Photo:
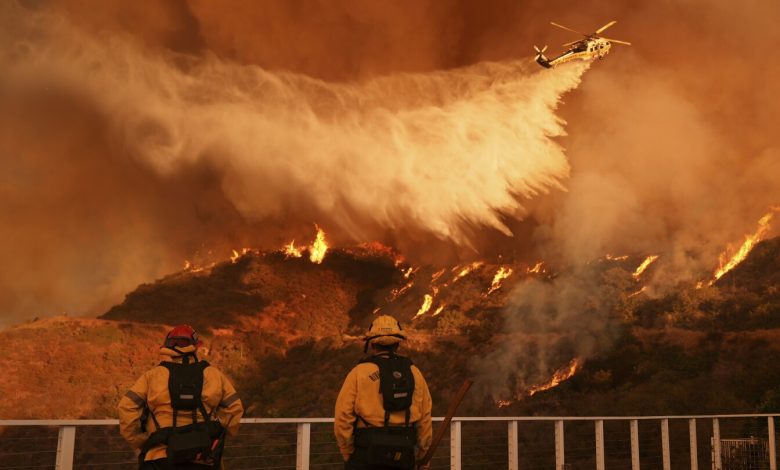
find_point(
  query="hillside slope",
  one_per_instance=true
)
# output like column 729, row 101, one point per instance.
column 278, row 325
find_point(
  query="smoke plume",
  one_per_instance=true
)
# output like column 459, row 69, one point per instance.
column 430, row 152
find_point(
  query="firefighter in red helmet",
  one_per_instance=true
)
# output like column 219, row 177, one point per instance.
column 178, row 413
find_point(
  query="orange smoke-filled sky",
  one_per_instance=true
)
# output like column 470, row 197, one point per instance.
column 671, row 142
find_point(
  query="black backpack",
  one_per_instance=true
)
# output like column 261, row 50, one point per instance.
column 391, row 446
column 202, row 440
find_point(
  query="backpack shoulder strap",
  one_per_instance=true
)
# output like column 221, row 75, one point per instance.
column 185, row 385
column 396, row 382
column 206, row 416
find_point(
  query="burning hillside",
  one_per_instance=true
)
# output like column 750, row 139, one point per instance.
column 272, row 321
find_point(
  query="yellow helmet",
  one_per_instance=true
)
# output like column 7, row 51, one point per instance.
column 384, row 330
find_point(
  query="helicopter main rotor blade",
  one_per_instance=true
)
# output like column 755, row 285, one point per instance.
column 617, row 41
column 603, row 28
column 567, row 28
column 571, row 43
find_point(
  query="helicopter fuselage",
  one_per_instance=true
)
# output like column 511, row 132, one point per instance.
column 586, row 49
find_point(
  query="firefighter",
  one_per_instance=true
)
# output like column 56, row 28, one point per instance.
column 383, row 411
column 178, row 413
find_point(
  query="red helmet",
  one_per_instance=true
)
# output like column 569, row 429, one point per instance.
column 181, row 337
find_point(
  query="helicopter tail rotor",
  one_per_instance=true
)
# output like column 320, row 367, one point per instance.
column 540, row 53
column 540, row 58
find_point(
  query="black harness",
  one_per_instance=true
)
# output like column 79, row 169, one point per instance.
column 391, row 446
column 201, row 440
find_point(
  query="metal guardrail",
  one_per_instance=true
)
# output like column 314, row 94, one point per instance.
column 66, row 440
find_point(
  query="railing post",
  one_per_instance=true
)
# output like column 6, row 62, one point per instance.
column 634, row 444
column 512, row 445
column 559, row 449
column 665, row 443
column 600, row 444
column 716, row 462
column 772, row 448
column 455, row 463
column 303, row 447
column 66, row 444
column 694, row 445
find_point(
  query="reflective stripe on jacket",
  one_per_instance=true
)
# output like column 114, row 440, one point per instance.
column 152, row 389
column 361, row 395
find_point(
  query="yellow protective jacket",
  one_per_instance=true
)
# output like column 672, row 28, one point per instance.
column 152, row 390
column 361, row 395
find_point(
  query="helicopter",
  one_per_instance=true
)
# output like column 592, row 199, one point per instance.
column 594, row 46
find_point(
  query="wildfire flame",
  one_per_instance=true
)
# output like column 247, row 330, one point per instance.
column 189, row 267
column 292, row 251
column 466, row 270
column 318, row 249
column 560, row 375
column 616, row 258
column 538, row 268
column 727, row 264
column 503, row 403
column 645, row 264
column 398, row 291
column 409, row 272
column 498, row 279
column 439, row 310
column 427, row 302
column 236, row 255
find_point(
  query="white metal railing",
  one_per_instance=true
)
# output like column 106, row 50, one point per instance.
column 67, row 437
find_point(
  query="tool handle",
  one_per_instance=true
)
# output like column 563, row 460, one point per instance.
column 437, row 437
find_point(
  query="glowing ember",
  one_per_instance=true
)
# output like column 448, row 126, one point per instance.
column 633, row 294
column 538, row 268
column 292, row 251
column 439, row 310
column 642, row 267
column 187, row 265
column 499, row 278
column 616, row 258
column 409, row 272
column 437, row 275
column 503, row 403
column 427, row 302
column 318, row 249
column 466, row 270
column 727, row 264
column 560, row 375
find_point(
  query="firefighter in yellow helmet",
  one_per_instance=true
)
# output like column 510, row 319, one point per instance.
column 383, row 411
column 177, row 414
